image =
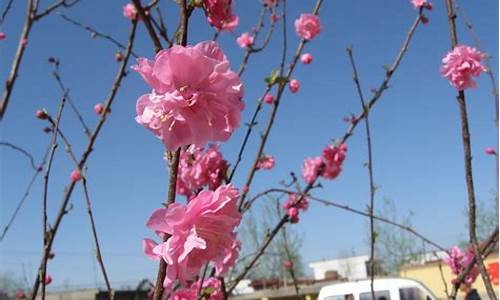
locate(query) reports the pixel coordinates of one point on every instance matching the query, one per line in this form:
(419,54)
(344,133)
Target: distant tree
(9,284)
(486,219)
(253,231)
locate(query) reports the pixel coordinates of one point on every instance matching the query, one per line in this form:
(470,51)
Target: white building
(351,268)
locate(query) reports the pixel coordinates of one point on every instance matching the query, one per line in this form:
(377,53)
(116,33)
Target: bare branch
(22,151)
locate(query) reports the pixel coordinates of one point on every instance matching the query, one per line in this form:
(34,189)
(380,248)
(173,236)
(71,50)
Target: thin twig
(371,208)
(147,23)
(6,11)
(53,7)
(22,151)
(468,163)
(63,209)
(95,33)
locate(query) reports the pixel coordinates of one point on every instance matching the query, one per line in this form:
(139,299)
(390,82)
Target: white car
(385,289)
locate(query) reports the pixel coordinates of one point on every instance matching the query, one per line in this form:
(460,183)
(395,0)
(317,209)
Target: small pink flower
(266,162)
(268,98)
(41,114)
(418,3)
(306,58)
(48,279)
(490,151)
(20,294)
(76,175)
(245,40)
(294,85)
(99,108)
(196,97)
(220,14)
(460,65)
(308,26)
(310,169)
(329,165)
(245,189)
(288,264)
(210,290)
(201,231)
(293,212)
(129,11)
(293,204)
(459,261)
(3,36)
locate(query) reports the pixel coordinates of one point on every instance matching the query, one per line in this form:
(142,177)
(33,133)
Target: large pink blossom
(220,14)
(200,168)
(308,26)
(460,65)
(329,165)
(200,232)
(210,290)
(266,162)
(196,98)
(459,261)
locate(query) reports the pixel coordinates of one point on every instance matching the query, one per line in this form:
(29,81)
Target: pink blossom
(288,264)
(98,108)
(460,65)
(266,162)
(293,205)
(76,175)
(269,99)
(129,11)
(306,58)
(211,290)
(118,56)
(220,14)
(459,261)
(490,151)
(200,168)
(293,212)
(2,36)
(196,98)
(48,279)
(308,26)
(230,257)
(245,189)
(201,231)
(41,114)
(245,40)
(418,3)
(310,168)
(294,85)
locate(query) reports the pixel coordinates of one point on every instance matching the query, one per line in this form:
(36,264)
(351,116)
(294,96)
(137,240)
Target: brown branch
(281,87)
(147,23)
(46,176)
(53,7)
(88,150)
(6,11)
(162,29)
(371,207)
(289,257)
(468,163)
(98,253)
(95,33)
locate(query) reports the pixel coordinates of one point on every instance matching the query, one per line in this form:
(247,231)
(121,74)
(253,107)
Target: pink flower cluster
(307,26)
(459,261)
(195,99)
(245,40)
(266,162)
(201,231)
(293,204)
(460,65)
(129,11)
(210,290)
(417,4)
(220,14)
(199,168)
(329,165)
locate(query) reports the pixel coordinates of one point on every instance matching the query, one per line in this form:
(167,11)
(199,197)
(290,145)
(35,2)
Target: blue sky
(415,126)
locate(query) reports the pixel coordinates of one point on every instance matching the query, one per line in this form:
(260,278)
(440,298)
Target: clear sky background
(416,135)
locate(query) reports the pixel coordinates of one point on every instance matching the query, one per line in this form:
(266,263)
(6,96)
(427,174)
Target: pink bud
(490,151)
(42,114)
(2,36)
(424,20)
(99,108)
(269,99)
(306,58)
(76,175)
(294,85)
(118,56)
(428,6)
(245,189)
(48,279)
(288,264)
(293,212)
(24,41)
(51,255)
